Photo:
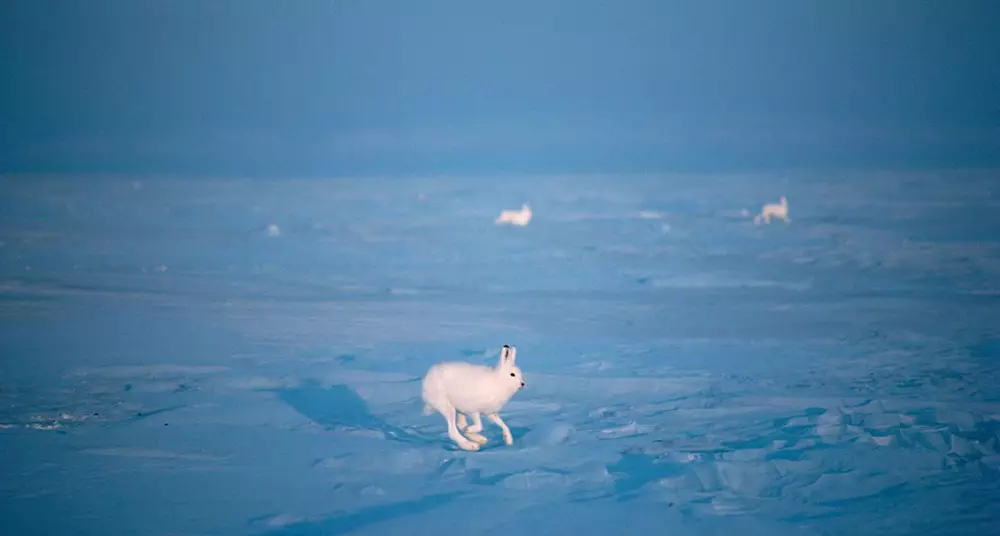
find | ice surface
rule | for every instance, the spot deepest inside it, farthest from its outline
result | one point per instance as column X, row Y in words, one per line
column 244, row 356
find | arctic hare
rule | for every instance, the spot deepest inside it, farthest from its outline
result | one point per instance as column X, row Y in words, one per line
column 472, row 389
column 776, row 210
column 515, row 217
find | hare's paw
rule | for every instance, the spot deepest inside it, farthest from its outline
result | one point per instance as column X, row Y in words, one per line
column 465, row 444
column 478, row 438
column 508, row 438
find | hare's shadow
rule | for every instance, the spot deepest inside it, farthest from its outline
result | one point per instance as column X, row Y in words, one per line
column 339, row 406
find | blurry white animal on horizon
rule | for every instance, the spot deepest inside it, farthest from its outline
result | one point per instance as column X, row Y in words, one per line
column 515, row 217
column 776, row 210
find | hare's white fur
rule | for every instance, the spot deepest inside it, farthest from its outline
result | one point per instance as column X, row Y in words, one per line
column 773, row 210
column 455, row 386
column 515, row 217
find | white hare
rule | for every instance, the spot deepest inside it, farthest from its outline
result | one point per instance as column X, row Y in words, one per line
column 472, row 389
column 775, row 210
column 515, row 217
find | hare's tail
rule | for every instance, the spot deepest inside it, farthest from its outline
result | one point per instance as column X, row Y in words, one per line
column 427, row 410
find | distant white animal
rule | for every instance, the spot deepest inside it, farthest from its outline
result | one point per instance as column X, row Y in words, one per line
column 472, row 389
column 515, row 217
column 775, row 210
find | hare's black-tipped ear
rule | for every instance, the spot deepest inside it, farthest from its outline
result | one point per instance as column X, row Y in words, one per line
column 506, row 355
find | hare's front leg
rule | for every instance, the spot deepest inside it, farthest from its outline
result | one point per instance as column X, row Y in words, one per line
column 507, row 437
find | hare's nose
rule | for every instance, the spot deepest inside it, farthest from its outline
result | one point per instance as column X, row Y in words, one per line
column 522, row 384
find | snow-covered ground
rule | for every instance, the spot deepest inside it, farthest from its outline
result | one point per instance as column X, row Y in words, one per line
column 229, row 357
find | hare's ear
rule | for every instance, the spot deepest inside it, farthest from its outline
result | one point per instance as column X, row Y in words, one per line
column 506, row 356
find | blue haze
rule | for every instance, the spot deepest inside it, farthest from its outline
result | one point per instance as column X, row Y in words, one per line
column 352, row 87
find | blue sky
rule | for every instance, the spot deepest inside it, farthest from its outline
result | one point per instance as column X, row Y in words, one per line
column 402, row 87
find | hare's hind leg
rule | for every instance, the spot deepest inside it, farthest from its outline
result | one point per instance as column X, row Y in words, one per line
column 463, row 443
column 472, row 432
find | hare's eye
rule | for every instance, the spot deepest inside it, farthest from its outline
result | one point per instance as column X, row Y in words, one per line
column 512, row 375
